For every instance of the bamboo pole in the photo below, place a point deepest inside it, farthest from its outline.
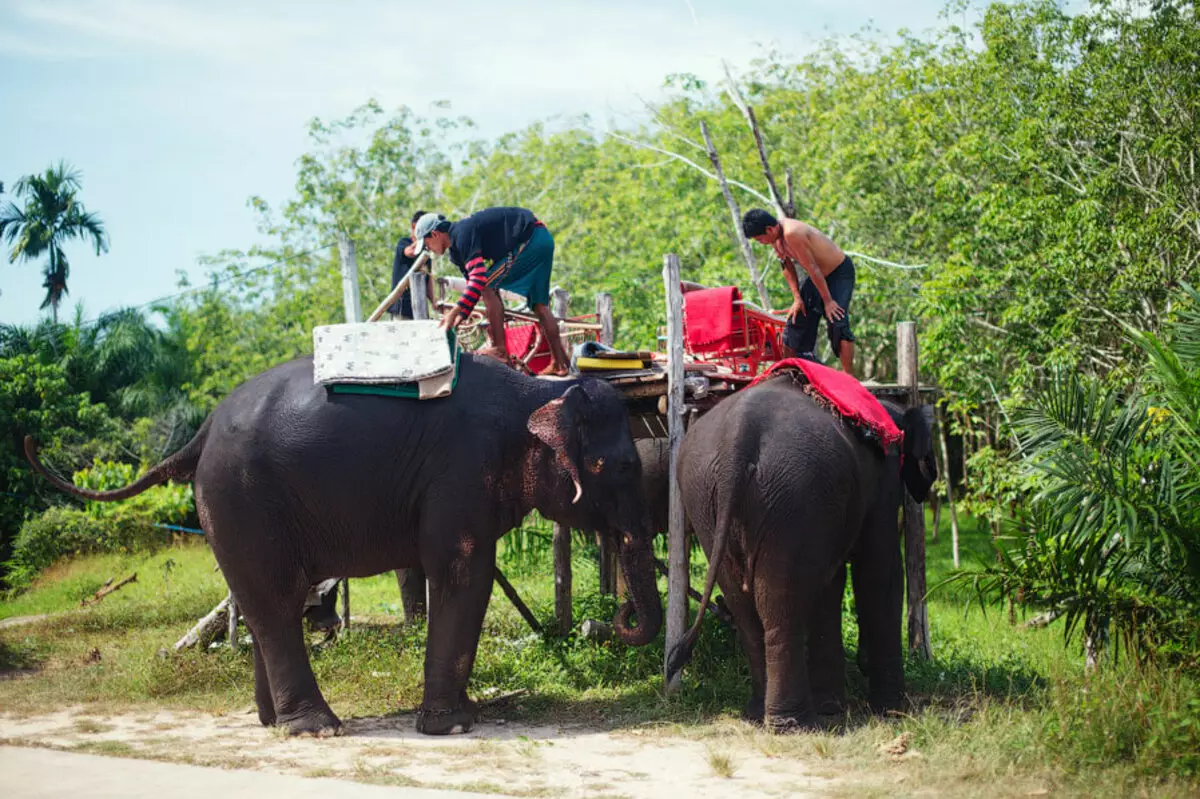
(233, 622)
(736, 212)
(914, 513)
(677, 553)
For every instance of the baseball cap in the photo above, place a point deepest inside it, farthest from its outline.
(425, 225)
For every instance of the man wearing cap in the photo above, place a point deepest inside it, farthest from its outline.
(498, 248)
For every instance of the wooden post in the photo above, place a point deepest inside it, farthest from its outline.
(941, 423)
(562, 578)
(233, 622)
(766, 165)
(604, 315)
(559, 303)
(677, 553)
(350, 298)
(420, 295)
(736, 212)
(353, 310)
(914, 513)
(609, 568)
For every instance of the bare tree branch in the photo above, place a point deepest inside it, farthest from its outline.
(736, 213)
(689, 162)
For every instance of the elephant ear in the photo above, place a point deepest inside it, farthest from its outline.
(559, 425)
(919, 469)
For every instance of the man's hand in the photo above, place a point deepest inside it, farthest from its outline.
(796, 311)
(833, 311)
(451, 318)
(408, 251)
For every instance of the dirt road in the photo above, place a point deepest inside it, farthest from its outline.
(497, 759)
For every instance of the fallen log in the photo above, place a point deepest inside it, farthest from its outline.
(108, 588)
(208, 628)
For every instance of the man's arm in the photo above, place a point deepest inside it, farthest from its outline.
(798, 250)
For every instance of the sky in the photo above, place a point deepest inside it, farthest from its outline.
(177, 111)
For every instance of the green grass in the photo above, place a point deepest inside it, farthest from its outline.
(999, 704)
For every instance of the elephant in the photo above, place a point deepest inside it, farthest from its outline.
(781, 494)
(294, 484)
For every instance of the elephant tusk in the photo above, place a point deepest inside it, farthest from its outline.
(578, 492)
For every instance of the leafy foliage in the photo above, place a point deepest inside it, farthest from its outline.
(1111, 537)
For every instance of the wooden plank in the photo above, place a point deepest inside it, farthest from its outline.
(677, 554)
(736, 213)
(914, 512)
(562, 577)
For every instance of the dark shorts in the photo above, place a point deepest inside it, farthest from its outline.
(801, 335)
(529, 273)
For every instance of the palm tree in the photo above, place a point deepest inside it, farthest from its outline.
(52, 216)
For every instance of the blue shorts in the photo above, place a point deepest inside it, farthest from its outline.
(529, 273)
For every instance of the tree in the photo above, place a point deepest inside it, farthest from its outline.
(52, 215)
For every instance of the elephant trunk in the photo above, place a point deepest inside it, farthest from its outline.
(645, 603)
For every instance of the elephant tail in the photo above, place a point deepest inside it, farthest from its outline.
(180, 467)
(681, 653)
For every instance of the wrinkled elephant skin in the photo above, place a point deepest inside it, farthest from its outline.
(782, 495)
(294, 485)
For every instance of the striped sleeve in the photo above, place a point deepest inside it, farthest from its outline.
(476, 279)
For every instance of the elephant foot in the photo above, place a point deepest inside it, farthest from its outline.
(786, 725)
(829, 704)
(884, 703)
(451, 721)
(266, 716)
(755, 711)
(320, 723)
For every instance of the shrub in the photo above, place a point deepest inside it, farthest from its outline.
(126, 526)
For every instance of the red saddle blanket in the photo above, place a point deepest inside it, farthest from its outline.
(708, 318)
(520, 338)
(847, 396)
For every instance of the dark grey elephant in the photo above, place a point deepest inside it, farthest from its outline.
(782, 495)
(294, 485)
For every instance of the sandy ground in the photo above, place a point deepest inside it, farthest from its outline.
(495, 758)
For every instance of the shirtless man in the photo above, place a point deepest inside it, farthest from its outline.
(827, 290)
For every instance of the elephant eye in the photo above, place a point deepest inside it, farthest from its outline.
(594, 465)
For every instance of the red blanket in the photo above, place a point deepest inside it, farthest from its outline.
(847, 395)
(708, 317)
